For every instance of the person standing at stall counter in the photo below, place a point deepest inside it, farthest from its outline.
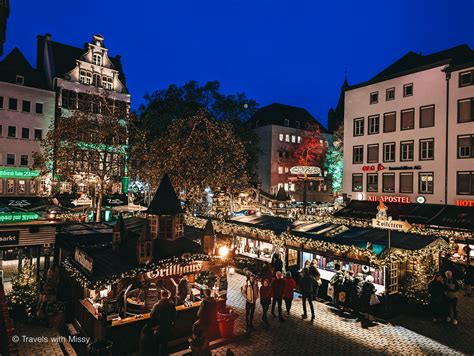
(164, 315)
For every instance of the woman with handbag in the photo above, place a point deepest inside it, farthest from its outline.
(368, 300)
(313, 271)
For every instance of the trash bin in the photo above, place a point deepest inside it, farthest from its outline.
(226, 320)
(100, 348)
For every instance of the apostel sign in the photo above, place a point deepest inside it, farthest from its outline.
(389, 198)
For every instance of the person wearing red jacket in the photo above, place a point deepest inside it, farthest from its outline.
(265, 299)
(289, 291)
(278, 287)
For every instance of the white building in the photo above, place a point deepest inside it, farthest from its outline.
(26, 113)
(409, 131)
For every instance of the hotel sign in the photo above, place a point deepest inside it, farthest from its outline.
(391, 224)
(469, 203)
(83, 259)
(9, 238)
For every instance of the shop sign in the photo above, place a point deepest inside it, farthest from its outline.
(18, 203)
(175, 270)
(378, 167)
(403, 168)
(389, 199)
(381, 167)
(6, 172)
(18, 217)
(83, 259)
(469, 203)
(9, 238)
(82, 200)
(308, 170)
(390, 224)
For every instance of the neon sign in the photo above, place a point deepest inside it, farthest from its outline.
(389, 198)
(18, 217)
(308, 170)
(6, 172)
(469, 203)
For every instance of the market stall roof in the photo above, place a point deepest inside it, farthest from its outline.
(427, 214)
(274, 223)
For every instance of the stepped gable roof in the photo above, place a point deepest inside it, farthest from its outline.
(15, 64)
(276, 113)
(165, 201)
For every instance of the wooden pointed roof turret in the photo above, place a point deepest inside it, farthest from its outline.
(165, 201)
(282, 195)
(209, 228)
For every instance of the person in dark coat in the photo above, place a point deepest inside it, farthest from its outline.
(452, 293)
(313, 271)
(267, 272)
(265, 299)
(437, 297)
(147, 345)
(289, 291)
(469, 278)
(355, 290)
(278, 288)
(368, 289)
(337, 281)
(207, 315)
(198, 342)
(164, 315)
(277, 263)
(307, 288)
(184, 290)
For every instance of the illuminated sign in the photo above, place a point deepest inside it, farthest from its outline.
(469, 203)
(82, 200)
(83, 259)
(18, 217)
(420, 200)
(391, 224)
(403, 168)
(7, 172)
(389, 199)
(9, 238)
(18, 203)
(378, 167)
(308, 170)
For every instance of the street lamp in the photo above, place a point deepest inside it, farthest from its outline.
(223, 251)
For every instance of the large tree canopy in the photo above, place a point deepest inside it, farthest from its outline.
(198, 152)
(164, 107)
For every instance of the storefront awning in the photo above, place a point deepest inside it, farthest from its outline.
(274, 223)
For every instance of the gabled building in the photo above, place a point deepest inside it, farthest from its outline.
(281, 130)
(336, 116)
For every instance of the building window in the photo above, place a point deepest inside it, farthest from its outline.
(287, 138)
(358, 154)
(389, 122)
(390, 94)
(281, 137)
(407, 119)
(32, 186)
(388, 182)
(287, 122)
(427, 116)
(26, 106)
(20, 80)
(293, 138)
(10, 159)
(465, 183)
(426, 183)
(97, 59)
(372, 182)
(1, 102)
(280, 170)
(69, 99)
(1, 134)
(108, 83)
(389, 152)
(21, 186)
(299, 139)
(374, 124)
(406, 182)
(465, 79)
(39, 108)
(10, 186)
(24, 160)
(297, 124)
(427, 149)
(286, 169)
(12, 103)
(38, 134)
(356, 182)
(374, 97)
(407, 151)
(97, 80)
(466, 110)
(373, 153)
(466, 146)
(85, 77)
(359, 127)
(408, 90)
(25, 132)
(12, 131)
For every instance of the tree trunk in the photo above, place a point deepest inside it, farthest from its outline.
(100, 194)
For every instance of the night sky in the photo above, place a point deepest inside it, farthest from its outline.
(292, 52)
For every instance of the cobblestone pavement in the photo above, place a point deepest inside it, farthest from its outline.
(334, 334)
(46, 347)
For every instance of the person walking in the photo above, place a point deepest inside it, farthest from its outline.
(278, 288)
(355, 291)
(267, 272)
(436, 289)
(307, 288)
(250, 293)
(277, 263)
(313, 271)
(452, 291)
(164, 315)
(265, 299)
(289, 291)
(469, 278)
(337, 281)
(207, 315)
(366, 304)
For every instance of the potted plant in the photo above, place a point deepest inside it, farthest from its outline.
(55, 313)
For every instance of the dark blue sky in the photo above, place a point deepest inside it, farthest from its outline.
(293, 52)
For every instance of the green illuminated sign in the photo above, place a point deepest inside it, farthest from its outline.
(125, 185)
(18, 217)
(102, 147)
(15, 172)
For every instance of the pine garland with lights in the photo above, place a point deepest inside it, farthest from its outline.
(24, 294)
